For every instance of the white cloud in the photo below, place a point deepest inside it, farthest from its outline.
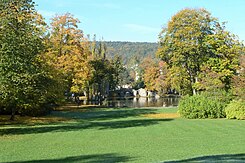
(141, 28)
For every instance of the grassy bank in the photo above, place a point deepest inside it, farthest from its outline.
(121, 135)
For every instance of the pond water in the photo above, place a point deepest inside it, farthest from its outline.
(141, 102)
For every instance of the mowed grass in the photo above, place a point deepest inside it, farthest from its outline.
(93, 135)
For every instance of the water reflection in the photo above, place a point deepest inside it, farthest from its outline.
(143, 102)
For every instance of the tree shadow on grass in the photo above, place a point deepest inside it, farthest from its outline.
(103, 158)
(81, 126)
(104, 114)
(238, 158)
(92, 114)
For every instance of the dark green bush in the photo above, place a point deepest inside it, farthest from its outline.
(235, 110)
(201, 106)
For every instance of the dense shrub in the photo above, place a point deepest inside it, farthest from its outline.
(235, 110)
(220, 95)
(33, 110)
(201, 106)
(29, 110)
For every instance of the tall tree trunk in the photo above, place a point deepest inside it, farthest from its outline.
(87, 94)
(193, 89)
(100, 94)
(13, 111)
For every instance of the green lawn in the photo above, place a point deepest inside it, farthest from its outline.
(123, 135)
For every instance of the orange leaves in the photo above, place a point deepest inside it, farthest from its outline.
(154, 74)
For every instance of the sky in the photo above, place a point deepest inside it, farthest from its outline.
(139, 20)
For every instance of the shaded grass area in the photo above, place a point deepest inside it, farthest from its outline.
(81, 118)
(238, 158)
(107, 158)
(80, 126)
(70, 113)
(26, 120)
(122, 135)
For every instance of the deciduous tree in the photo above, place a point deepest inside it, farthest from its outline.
(23, 81)
(238, 81)
(69, 51)
(194, 43)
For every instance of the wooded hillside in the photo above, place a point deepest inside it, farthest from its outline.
(130, 50)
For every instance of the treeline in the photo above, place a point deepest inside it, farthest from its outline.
(40, 64)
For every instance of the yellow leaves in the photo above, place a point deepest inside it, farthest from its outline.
(69, 50)
(75, 89)
(64, 22)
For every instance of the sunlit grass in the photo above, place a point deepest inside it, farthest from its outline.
(162, 115)
(121, 135)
